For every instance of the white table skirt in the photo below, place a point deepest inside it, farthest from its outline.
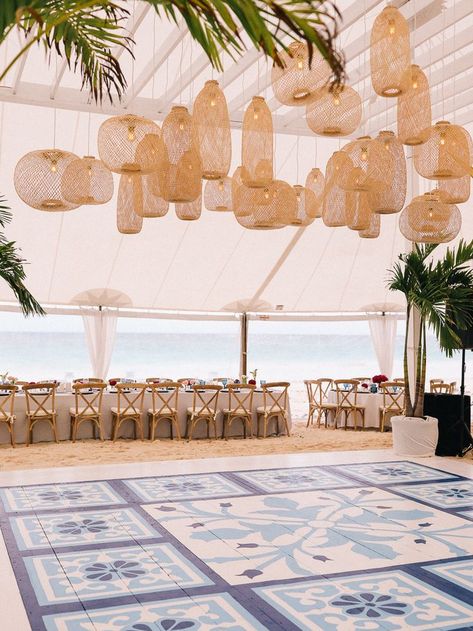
(42, 431)
(372, 401)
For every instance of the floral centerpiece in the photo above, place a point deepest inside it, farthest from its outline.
(253, 374)
(5, 378)
(378, 379)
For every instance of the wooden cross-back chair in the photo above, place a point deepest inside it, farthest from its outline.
(275, 399)
(240, 407)
(453, 387)
(87, 380)
(347, 402)
(440, 388)
(203, 409)
(164, 408)
(40, 407)
(129, 407)
(393, 401)
(158, 379)
(361, 379)
(317, 393)
(434, 382)
(87, 407)
(7, 406)
(398, 380)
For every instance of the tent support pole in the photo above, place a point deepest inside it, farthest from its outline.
(243, 343)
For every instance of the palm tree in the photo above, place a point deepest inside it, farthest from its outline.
(440, 294)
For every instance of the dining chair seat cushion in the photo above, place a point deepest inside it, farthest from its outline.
(329, 406)
(273, 409)
(162, 411)
(41, 413)
(387, 408)
(127, 413)
(85, 411)
(191, 411)
(240, 410)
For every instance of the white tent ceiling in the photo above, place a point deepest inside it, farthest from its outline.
(213, 262)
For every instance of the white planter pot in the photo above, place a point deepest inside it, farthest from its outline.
(415, 437)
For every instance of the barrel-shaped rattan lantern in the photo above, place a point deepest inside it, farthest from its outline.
(315, 181)
(218, 195)
(189, 211)
(38, 179)
(268, 208)
(455, 191)
(428, 219)
(373, 230)
(445, 154)
(307, 207)
(130, 144)
(334, 112)
(414, 110)
(87, 181)
(153, 205)
(373, 166)
(211, 126)
(391, 199)
(181, 175)
(130, 204)
(297, 80)
(257, 145)
(358, 212)
(390, 53)
(335, 197)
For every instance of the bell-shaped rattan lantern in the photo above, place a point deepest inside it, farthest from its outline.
(335, 197)
(390, 53)
(130, 144)
(130, 204)
(373, 166)
(414, 111)
(428, 219)
(307, 206)
(87, 181)
(297, 80)
(455, 191)
(212, 136)
(153, 204)
(358, 212)
(373, 230)
(189, 211)
(445, 154)
(391, 199)
(335, 112)
(268, 208)
(38, 179)
(218, 195)
(257, 145)
(181, 174)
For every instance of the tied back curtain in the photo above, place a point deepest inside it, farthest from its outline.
(383, 335)
(100, 330)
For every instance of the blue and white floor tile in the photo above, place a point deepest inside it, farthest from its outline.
(453, 494)
(390, 472)
(457, 572)
(302, 479)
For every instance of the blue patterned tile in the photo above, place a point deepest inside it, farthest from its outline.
(389, 472)
(182, 487)
(457, 572)
(390, 600)
(297, 479)
(454, 494)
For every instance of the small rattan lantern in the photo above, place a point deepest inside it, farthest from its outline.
(130, 144)
(87, 181)
(455, 191)
(212, 136)
(257, 145)
(358, 212)
(390, 53)
(335, 113)
(335, 198)
(373, 166)
(297, 81)
(181, 174)
(218, 195)
(414, 111)
(315, 180)
(153, 205)
(189, 211)
(445, 154)
(372, 232)
(130, 204)
(269, 208)
(428, 219)
(391, 199)
(307, 206)
(38, 179)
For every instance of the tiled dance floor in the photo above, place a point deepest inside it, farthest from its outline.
(373, 545)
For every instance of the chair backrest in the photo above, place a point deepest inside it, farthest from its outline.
(130, 397)
(393, 395)
(40, 398)
(398, 380)
(361, 379)
(164, 401)
(157, 379)
(275, 396)
(205, 406)
(318, 389)
(88, 397)
(433, 382)
(7, 401)
(240, 397)
(347, 391)
(88, 380)
(440, 388)
(453, 387)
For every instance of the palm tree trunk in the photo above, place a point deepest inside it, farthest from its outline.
(420, 385)
(407, 392)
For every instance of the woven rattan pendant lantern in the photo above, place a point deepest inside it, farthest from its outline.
(87, 181)
(296, 82)
(153, 205)
(391, 199)
(38, 179)
(335, 198)
(372, 232)
(181, 174)
(211, 127)
(130, 144)
(358, 212)
(269, 208)
(257, 145)
(189, 211)
(334, 113)
(445, 154)
(414, 111)
(428, 219)
(130, 204)
(455, 191)
(307, 206)
(373, 166)
(218, 195)
(315, 181)
(390, 54)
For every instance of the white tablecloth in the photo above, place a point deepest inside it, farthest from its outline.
(42, 431)
(372, 401)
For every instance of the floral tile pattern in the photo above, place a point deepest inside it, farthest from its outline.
(391, 600)
(389, 472)
(458, 572)
(454, 494)
(297, 479)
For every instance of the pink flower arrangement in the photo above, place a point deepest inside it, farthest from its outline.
(379, 379)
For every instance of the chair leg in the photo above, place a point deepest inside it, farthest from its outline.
(12, 437)
(115, 429)
(100, 428)
(287, 426)
(215, 428)
(54, 430)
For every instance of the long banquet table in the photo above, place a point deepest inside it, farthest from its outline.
(65, 401)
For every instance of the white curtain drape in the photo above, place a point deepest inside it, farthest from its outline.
(383, 335)
(100, 330)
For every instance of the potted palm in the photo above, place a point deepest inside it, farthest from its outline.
(438, 293)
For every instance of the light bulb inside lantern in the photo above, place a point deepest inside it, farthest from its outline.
(89, 169)
(255, 115)
(212, 103)
(442, 139)
(131, 134)
(414, 84)
(129, 179)
(181, 125)
(53, 167)
(300, 64)
(266, 193)
(336, 100)
(392, 27)
(386, 145)
(220, 185)
(364, 154)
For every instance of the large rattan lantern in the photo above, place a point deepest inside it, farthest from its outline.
(212, 136)
(38, 179)
(297, 80)
(307, 206)
(218, 195)
(358, 212)
(268, 208)
(181, 174)
(373, 166)
(428, 219)
(391, 199)
(414, 111)
(335, 112)
(153, 204)
(257, 145)
(455, 191)
(390, 53)
(335, 197)
(189, 211)
(130, 204)
(130, 144)
(445, 154)
(87, 181)
(373, 230)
